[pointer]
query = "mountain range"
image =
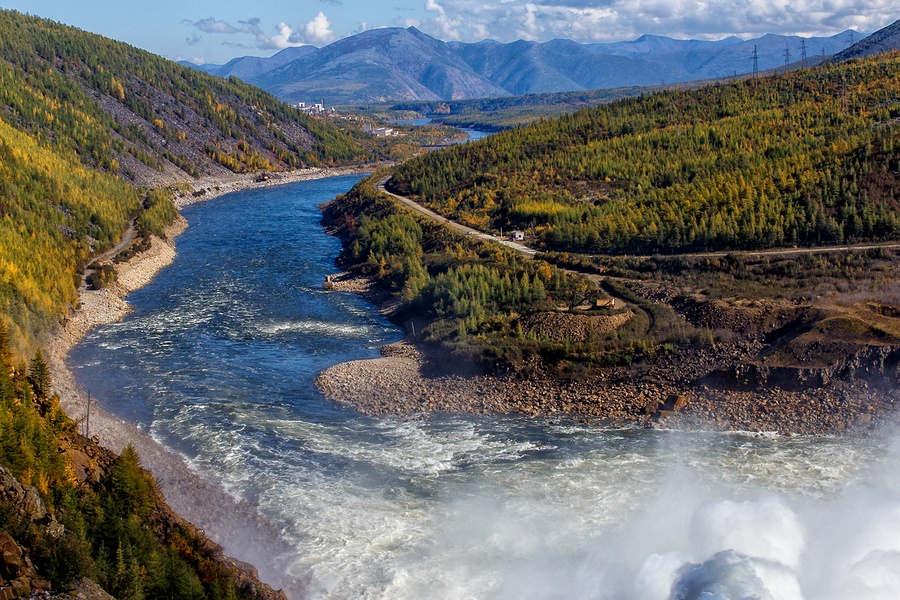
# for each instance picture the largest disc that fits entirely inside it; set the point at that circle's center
(883, 40)
(395, 64)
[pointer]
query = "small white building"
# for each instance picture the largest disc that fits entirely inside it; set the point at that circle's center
(312, 109)
(517, 236)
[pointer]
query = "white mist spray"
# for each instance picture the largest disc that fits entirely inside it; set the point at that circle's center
(697, 540)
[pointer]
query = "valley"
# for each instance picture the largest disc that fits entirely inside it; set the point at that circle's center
(628, 310)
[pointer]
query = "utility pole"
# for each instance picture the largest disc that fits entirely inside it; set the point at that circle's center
(755, 59)
(87, 419)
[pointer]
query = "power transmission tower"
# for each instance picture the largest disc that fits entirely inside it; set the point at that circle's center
(787, 57)
(803, 53)
(755, 59)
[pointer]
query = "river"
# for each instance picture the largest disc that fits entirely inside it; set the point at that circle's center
(217, 362)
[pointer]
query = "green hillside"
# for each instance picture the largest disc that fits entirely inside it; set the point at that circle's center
(138, 115)
(83, 119)
(806, 158)
(55, 213)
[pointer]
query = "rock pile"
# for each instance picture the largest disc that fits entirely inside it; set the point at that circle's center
(572, 327)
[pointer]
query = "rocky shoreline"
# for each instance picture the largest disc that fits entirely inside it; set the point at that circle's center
(234, 525)
(668, 391)
(213, 187)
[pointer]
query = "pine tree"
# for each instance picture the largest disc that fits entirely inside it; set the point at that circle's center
(39, 376)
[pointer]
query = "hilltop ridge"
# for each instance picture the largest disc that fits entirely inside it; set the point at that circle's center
(404, 64)
(147, 119)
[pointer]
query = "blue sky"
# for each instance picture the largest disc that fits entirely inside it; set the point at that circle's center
(206, 31)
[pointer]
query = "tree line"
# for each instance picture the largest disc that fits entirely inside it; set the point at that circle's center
(806, 158)
(465, 294)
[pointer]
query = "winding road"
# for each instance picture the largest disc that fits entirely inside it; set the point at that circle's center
(412, 204)
(127, 238)
(531, 252)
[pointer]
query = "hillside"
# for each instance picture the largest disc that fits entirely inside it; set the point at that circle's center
(794, 341)
(82, 120)
(395, 64)
(144, 118)
(884, 40)
(806, 158)
(604, 324)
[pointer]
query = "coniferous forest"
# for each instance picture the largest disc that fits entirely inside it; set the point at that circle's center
(82, 120)
(805, 158)
(91, 133)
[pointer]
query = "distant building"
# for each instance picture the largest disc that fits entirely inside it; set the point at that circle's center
(381, 131)
(517, 236)
(312, 109)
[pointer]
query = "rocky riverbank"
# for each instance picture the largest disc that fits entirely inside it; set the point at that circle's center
(208, 188)
(234, 525)
(695, 389)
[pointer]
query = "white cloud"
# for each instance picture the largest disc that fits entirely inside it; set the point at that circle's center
(285, 37)
(530, 28)
(448, 28)
(211, 25)
(318, 31)
(607, 20)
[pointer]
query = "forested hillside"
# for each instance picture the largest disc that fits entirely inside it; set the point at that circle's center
(469, 291)
(55, 213)
(82, 120)
(146, 118)
(805, 158)
(71, 509)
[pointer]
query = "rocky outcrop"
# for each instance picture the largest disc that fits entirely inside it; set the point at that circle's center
(18, 575)
(878, 366)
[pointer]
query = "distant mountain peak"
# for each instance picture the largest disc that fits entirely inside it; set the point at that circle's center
(883, 40)
(400, 64)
